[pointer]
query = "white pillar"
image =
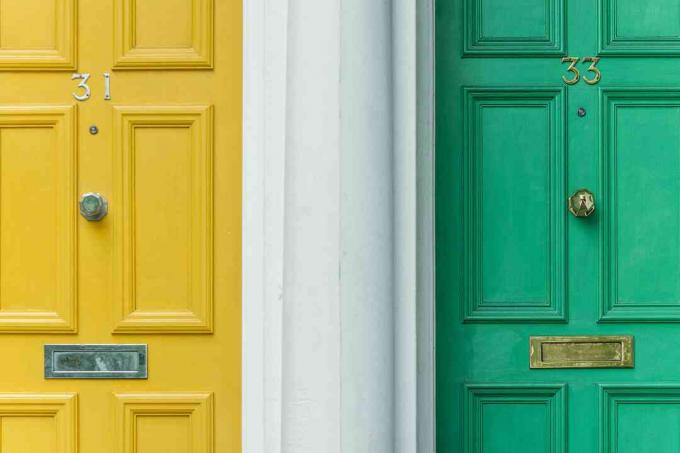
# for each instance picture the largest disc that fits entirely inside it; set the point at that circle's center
(330, 227)
(311, 293)
(338, 354)
(367, 227)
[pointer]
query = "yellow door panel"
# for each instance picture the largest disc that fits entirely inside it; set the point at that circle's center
(163, 228)
(184, 41)
(167, 422)
(38, 171)
(38, 34)
(45, 423)
(163, 268)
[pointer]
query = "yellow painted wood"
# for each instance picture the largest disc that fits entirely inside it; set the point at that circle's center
(163, 268)
(168, 422)
(39, 422)
(184, 41)
(38, 34)
(163, 185)
(37, 219)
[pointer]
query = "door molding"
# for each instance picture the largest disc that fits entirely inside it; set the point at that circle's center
(264, 124)
(266, 80)
(425, 221)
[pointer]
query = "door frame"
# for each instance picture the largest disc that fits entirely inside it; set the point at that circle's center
(265, 57)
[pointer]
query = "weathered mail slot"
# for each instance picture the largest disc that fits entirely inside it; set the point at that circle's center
(101, 361)
(581, 352)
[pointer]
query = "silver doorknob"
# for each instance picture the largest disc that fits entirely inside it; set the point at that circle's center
(93, 206)
(582, 203)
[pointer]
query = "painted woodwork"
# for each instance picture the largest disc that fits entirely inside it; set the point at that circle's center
(513, 142)
(160, 275)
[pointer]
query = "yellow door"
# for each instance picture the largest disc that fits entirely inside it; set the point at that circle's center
(162, 269)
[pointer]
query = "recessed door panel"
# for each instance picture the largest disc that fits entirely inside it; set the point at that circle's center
(530, 27)
(514, 187)
(38, 34)
(38, 171)
(641, 210)
(630, 27)
(184, 41)
(639, 418)
(502, 418)
(45, 422)
(167, 422)
(163, 239)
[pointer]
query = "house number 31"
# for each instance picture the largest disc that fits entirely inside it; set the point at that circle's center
(84, 88)
(573, 61)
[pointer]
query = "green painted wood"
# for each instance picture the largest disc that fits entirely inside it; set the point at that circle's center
(643, 28)
(514, 135)
(511, 262)
(499, 27)
(628, 411)
(502, 418)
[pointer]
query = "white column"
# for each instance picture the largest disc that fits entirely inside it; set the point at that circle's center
(330, 226)
(311, 294)
(367, 227)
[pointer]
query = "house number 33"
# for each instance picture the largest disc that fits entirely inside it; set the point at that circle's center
(573, 61)
(84, 91)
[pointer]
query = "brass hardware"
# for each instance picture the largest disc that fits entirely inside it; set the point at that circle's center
(582, 203)
(93, 206)
(577, 74)
(593, 68)
(581, 352)
(572, 68)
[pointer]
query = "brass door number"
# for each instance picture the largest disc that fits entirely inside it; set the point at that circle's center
(573, 61)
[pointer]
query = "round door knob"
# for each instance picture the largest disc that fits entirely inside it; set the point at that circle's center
(93, 206)
(582, 203)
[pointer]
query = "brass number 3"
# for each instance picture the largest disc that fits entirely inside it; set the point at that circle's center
(577, 74)
(572, 68)
(593, 69)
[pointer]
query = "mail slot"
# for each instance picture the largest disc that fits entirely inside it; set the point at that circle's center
(101, 361)
(581, 352)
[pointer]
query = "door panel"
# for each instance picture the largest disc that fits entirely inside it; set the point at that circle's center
(38, 34)
(37, 219)
(640, 28)
(514, 270)
(168, 422)
(514, 141)
(641, 254)
(529, 27)
(164, 247)
(629, 411)
(184, 41)
(45, 422)
(162, 269)
(515, 418)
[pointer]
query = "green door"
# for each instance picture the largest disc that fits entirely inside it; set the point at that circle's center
(515, 139)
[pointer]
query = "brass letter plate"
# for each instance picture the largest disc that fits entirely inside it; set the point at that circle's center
(95, 361)
(581, 352)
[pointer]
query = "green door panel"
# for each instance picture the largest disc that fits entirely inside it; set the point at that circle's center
(514, 135)
(512, 262)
